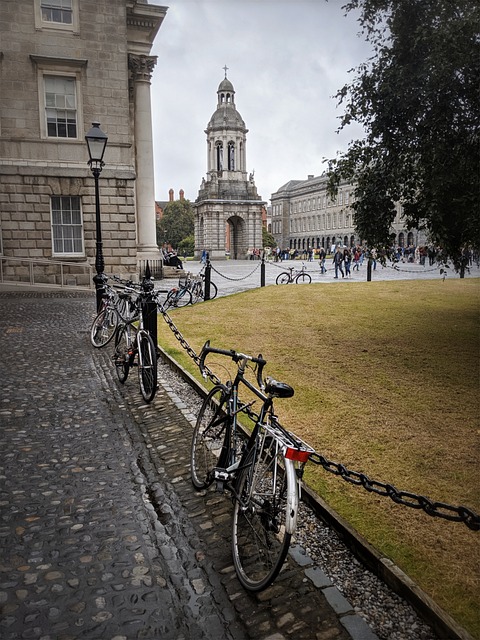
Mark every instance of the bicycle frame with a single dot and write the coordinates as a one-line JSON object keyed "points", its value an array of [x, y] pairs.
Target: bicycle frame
{"points": [[226, 472]]}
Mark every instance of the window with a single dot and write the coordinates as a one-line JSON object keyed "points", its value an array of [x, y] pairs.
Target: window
{"points": [[61, 15], [60, 106], [57, 11], [67, 227]]}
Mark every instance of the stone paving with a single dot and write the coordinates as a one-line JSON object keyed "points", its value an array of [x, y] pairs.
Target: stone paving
{"points": [[102, 535]]}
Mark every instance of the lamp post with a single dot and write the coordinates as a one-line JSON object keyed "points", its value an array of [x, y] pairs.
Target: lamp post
{"points": [[96, 143]]}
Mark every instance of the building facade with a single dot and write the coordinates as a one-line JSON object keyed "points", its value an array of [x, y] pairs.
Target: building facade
{"points": [[303, 217], [228, 209], [63, 65]]}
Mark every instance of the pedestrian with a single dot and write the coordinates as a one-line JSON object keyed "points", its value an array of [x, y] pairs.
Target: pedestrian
{"points": [[347, 259], [322, 257], [337, 261], [356, 259]]}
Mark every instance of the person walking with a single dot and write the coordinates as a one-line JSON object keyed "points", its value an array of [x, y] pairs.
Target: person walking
{"points": [[347, 259], [337, 262], [356, 259], [322, 257]]}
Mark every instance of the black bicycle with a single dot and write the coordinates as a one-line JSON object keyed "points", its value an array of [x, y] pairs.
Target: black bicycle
{"points": [[299, 276], [134, 347], [258, 461]]}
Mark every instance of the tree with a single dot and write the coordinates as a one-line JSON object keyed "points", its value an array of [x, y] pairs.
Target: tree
{"points": [[176, 223], [267, 239], [418, 99]]}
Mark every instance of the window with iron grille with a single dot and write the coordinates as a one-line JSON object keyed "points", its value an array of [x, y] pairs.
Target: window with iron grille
{"points": [[67, 226], [60, 106]]}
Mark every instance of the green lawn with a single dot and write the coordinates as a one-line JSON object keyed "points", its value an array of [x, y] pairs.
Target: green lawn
{"points": [[386, 378]]}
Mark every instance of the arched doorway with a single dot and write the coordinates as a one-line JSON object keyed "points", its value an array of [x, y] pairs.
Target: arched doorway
{"points": [[237, 238]]}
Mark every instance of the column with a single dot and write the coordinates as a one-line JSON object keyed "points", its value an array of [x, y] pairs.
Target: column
{"points": [[141, 68]]}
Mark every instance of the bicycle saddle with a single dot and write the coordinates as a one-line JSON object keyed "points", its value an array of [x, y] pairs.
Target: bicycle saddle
{"points": [[278, 389]]}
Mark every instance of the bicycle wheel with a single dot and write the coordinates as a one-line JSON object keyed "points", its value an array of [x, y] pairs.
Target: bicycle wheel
{"points": [[147, 366], [103, 327], [208, 437], [213, 290], [197, 292], [183, 298], [122, 347], [264, 516], [283, 278], [303, 278]]}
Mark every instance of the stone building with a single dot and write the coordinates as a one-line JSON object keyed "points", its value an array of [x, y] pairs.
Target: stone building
{"points": [[303, 216], [63, 65], [228, 209]]}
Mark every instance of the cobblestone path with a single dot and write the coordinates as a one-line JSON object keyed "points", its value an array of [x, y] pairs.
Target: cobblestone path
{"points": [[101, 533]]}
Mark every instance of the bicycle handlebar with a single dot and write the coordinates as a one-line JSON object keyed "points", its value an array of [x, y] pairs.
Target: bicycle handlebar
{"points": [[235, 356]]}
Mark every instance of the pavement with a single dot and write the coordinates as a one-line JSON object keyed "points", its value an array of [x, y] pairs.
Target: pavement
{"points": [[102, 535], [233, 276]]}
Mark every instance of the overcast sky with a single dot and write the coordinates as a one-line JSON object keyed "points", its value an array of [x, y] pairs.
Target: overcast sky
{"points": [[286, 60]]}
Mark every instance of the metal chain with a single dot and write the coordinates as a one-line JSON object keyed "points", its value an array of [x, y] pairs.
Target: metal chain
{"points": [[236, 279], [406, 498], [196, 358]]}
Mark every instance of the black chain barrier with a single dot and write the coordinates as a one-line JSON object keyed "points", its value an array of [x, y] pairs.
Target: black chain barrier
{"points": [[222, 275], [405, 498]]}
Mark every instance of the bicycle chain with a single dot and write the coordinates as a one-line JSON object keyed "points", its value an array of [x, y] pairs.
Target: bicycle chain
{"points": [[405, 498]]}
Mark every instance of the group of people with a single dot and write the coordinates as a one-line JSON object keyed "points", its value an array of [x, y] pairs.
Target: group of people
{"points": [[170, 257]]}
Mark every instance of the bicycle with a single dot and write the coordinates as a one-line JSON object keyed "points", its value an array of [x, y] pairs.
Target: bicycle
{"points": [[134, 347], [197, 288], [297, 276], [115, 307], [261, 468], [179, 296]]}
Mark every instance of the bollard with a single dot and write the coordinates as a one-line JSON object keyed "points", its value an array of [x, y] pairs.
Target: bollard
{"points": [[262, 271], [149, 307], [208, 275], [369, 269]]}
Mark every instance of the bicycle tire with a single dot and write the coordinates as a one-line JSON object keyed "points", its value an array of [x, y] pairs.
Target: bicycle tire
{"points": [[213, 290], [183, 298], [122, 356], [197, 292], [103, 327], [283, 278], [303, 278], [147, 366], [208, 437], [264, 517]]}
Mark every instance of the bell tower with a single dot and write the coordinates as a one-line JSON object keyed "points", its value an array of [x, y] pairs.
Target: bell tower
{"points": [[228, 209]]}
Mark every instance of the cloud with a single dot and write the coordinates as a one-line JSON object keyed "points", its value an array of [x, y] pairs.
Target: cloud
{"points": [[285, 59]]}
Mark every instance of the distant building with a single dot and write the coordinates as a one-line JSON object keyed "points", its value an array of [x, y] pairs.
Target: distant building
{"points": [[303, 216], [64, 65], [228, 209]]}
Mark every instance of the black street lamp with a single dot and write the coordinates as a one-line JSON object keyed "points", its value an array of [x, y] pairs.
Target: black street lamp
{"points": [[96, 143]]}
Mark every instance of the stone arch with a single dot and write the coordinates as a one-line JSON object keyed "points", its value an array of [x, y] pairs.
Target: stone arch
{"points": [[237, 236]]}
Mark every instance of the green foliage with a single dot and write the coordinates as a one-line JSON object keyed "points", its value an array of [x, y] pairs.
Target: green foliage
{"points": [[267, 239], [186, 246], [418, 99], [176, 223]]}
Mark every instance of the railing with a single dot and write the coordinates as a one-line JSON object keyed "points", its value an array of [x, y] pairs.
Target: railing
{"points": [[52, 273]]}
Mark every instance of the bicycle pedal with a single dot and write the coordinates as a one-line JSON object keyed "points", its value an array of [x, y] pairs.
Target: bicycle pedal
{"points": [[221, 475]]}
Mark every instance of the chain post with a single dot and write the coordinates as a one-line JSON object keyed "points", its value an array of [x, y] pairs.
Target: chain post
{"points": [[208, 275], [369, 269], [262, 270], [149, 306]]}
